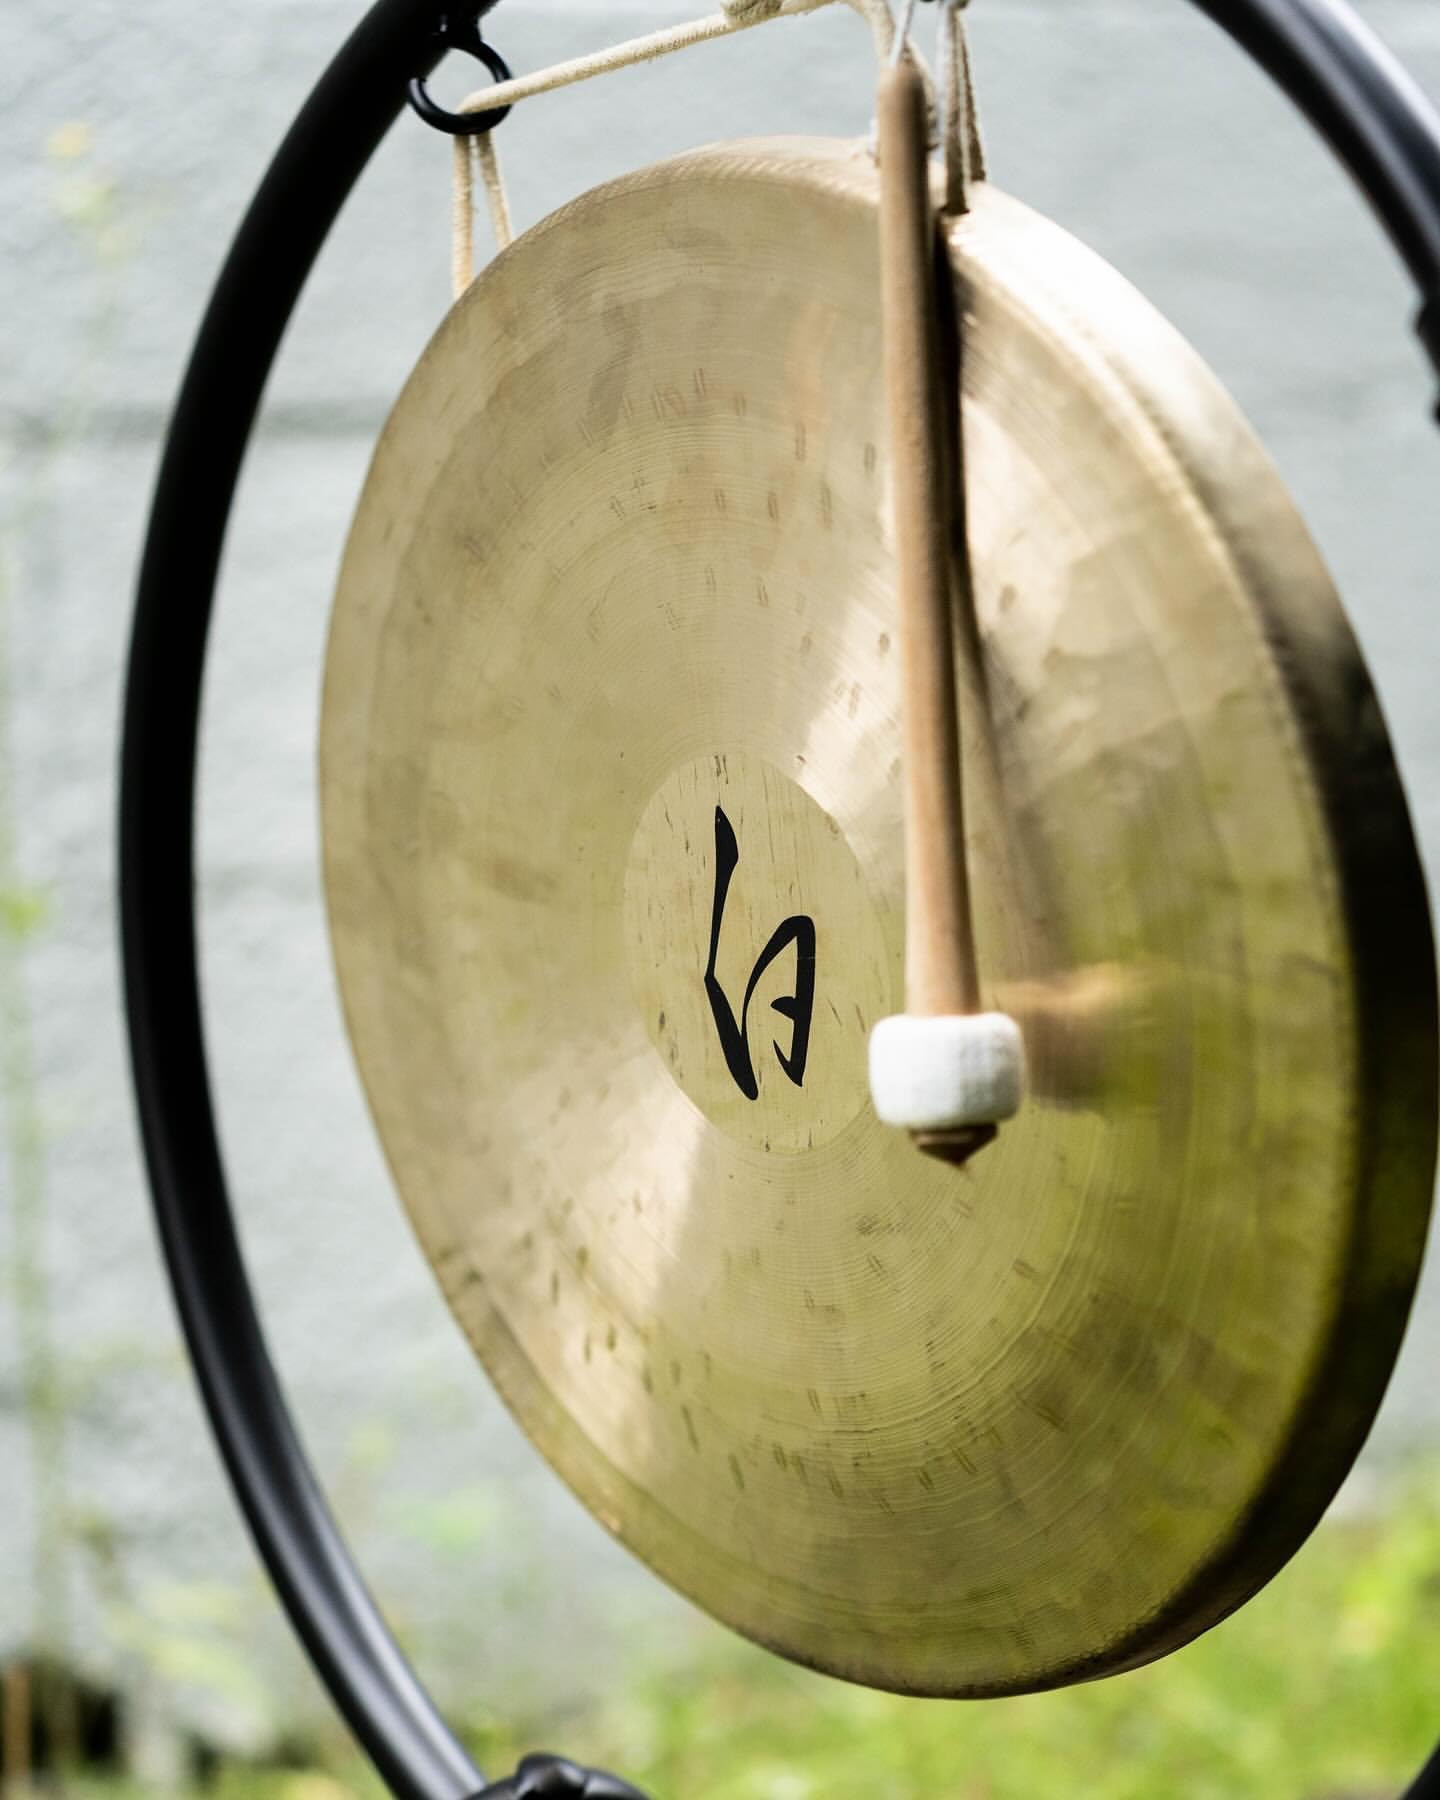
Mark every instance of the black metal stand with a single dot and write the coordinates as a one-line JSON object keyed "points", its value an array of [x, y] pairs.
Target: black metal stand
{"points": [[1383, 131]]}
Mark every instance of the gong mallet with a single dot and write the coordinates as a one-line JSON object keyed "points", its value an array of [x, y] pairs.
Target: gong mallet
{"points": [[943, 1069]]}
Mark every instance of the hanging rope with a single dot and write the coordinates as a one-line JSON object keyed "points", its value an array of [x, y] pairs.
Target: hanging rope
{"points": [[470, 153], [902, 34], [959, 114], [964, 156], [462, 218], [735, 16]]}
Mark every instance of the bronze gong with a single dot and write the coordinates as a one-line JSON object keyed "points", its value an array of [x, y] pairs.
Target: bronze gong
{"points": [[614, 867]]}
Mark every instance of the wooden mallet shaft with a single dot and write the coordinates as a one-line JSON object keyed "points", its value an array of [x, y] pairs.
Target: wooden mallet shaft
{"points": [[940, 976]]}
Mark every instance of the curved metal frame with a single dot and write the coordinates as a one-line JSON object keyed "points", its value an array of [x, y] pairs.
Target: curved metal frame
{"points": [[1346, 83]]}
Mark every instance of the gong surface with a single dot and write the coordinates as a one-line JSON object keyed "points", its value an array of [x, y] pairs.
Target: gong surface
{"points": [[612, 829]]}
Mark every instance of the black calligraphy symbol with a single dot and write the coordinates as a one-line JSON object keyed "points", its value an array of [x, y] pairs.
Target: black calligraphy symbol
{"points": [[798, 1006]]}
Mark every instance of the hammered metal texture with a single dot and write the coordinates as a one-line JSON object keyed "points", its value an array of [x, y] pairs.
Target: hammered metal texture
{"points": [[610, 756]]}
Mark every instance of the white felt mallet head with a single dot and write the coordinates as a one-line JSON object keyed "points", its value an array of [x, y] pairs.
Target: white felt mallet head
{"points": [[948, 1073]]}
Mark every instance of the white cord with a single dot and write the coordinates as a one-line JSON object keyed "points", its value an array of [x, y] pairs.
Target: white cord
{"points": [[902, 35], [737, 15]]}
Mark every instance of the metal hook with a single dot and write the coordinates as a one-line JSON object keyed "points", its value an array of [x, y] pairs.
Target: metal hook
{"points": [[462, 33]]}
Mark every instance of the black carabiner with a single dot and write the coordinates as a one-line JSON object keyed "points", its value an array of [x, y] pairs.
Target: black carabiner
{"points": [[462, 33]]}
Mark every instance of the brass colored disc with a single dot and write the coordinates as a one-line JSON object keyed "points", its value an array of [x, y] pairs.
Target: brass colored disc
{"points": [[615, 869]]}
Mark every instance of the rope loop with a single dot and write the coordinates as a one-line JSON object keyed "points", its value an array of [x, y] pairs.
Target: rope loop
{"points": [[956, 119], [472, 151]]}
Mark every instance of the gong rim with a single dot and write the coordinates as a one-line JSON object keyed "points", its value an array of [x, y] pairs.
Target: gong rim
{"points": [[1381, 896]]}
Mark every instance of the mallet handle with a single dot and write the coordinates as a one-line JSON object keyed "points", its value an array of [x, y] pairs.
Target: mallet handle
{"points": [[939, 939]]}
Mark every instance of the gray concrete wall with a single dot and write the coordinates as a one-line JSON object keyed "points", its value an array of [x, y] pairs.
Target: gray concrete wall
{"points": [[1131, 121]]}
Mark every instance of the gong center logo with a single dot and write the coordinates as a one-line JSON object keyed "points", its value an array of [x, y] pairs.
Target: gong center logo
{"points": [[755, 955], [798, 1005]]}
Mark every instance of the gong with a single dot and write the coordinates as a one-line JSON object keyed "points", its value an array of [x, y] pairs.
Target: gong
{"points": [[613, 854]]}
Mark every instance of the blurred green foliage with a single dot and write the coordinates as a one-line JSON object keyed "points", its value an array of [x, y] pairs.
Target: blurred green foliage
{"points": [[1328, 1684], [1326, 1687], [84, 197]]}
